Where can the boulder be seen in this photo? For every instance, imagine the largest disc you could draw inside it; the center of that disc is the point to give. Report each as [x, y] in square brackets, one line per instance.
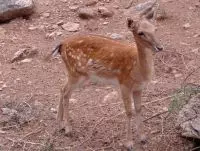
[189, 119]
[10, 9]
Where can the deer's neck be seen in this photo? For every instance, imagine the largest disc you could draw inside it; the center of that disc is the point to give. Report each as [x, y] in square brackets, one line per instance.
[145, 59]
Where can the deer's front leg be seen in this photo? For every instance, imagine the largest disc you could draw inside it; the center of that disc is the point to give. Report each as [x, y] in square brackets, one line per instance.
[139, 123]
[126, 96]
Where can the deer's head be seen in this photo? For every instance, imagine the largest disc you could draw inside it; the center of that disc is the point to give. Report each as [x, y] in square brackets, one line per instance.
[143, 28]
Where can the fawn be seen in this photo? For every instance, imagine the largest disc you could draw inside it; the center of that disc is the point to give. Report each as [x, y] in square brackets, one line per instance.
[131, 66]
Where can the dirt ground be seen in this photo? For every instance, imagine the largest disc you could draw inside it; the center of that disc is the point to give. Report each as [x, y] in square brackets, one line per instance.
[33, 88]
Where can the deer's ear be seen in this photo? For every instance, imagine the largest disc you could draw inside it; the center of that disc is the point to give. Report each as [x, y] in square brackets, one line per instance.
[131, 23]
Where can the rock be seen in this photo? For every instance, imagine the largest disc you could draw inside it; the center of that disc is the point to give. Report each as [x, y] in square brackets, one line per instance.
[61, 22]
[23, 53]
[74, 8]
[73, 100]
[117, 36]
[53, 110]
[105, 12]
[91, 2]
[105, 23]
[110, 96]
[8, 111]
[71, 26]
[26, 60]
[178, 75]
[46, 15]
[189, 118]
[32, 27]
[186, 26]
[3, 86]
[196, 35]
[87, 13]
[10, 9]
[55, 26]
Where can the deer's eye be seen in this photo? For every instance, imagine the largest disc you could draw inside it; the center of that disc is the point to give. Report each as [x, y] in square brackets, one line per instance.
[141, 33]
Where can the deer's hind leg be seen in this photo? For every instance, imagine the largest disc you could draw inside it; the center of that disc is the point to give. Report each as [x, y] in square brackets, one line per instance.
[63, 108]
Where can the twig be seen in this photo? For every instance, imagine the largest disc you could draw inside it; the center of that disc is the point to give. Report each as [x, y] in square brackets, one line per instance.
[184, 81]
[157, 114]
[161, 99]
[23, 141]
[63, 148]
[33, 132]
[196, 148]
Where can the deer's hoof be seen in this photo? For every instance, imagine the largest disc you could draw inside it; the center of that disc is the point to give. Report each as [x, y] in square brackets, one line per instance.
[143, 139]
[129, 146]
[68, 131]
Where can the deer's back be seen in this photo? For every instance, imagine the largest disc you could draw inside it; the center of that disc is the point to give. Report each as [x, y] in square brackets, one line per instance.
[98, 55]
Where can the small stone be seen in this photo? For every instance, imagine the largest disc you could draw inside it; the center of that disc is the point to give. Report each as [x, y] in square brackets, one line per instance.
[2, 132]
[196, 35]
[59, 33]
[71, 26]
[186, 26]
[51, 35]
[116, 36]
[46, 15]
[55, 26]
[178, 75]
[32, 27]
[23, 53]
[73, 100]
[165, 109]
[86, 13]
[74, 8]
[105, 12]
[8, 111]
[64, 1]
[53, 110]
[26, 60]
[196, 50]
[91, 2]
[61, 22]
[105, 23]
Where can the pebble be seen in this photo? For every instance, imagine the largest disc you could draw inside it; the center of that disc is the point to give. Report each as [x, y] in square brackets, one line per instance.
[8, 111]
[46, 15]
[186, 26]
[91, 2]
[71, 26]
[74, 8]
[116, 36]
[87, 13]
[105, 12]
[61, 22]
[26, 60]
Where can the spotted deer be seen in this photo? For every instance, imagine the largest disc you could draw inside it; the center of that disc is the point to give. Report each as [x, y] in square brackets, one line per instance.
[130, 66]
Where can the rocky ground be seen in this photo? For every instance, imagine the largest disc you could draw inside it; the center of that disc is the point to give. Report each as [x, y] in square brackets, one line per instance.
[30, 87]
